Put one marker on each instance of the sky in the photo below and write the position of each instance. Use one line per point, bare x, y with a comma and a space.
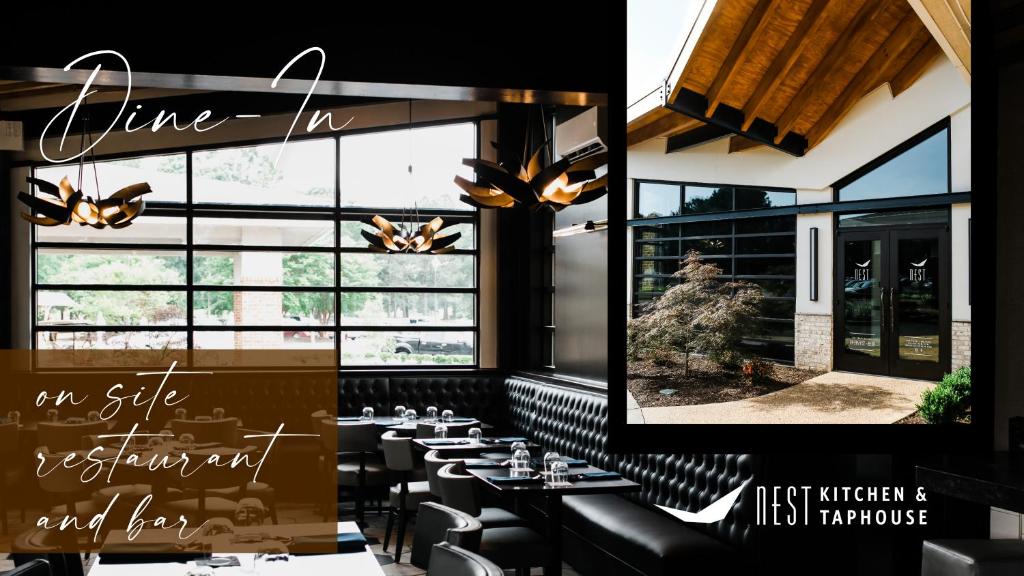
654, 29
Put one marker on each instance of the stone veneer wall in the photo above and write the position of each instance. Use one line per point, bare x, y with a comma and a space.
813, 341
961, 348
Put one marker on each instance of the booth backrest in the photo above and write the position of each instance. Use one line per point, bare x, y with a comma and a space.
574, 422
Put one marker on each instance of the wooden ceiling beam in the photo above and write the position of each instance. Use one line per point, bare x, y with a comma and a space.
666, 123
914, 68
24, 87
785, 59
751, 34
832, 61
908, 33
739, 144
949, 22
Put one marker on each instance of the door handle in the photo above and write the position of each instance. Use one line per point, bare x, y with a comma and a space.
892, 309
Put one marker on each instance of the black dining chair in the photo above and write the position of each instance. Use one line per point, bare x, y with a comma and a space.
462, 494
405, 496
436, 523
52, 545
12, 469
37, 567
359, 466
448, 560
511, 547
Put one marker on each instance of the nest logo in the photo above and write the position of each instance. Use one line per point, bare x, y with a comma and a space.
714, 512
917, 271
861, 271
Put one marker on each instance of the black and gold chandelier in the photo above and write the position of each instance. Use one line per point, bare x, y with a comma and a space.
536, 182
409, 237
63, 204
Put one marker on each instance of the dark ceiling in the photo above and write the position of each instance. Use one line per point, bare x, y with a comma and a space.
542, 46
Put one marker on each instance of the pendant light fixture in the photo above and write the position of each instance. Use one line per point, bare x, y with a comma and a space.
409, 236
535, 182
64, 204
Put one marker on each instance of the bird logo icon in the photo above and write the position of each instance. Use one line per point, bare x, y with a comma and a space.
919, 264
864, 265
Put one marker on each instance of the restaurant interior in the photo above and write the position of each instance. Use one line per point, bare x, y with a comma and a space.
440, 348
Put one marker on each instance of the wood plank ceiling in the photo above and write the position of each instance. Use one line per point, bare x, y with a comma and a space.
783, 73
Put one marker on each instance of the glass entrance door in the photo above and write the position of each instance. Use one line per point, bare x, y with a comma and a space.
892, 303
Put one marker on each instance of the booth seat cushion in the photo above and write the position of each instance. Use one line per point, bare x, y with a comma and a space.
647, 540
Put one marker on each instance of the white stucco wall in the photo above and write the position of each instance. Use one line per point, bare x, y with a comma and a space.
961, 261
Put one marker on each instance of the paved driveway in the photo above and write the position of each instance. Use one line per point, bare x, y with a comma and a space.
832, 398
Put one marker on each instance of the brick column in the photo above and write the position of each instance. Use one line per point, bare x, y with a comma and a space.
812, 341
961, 344
256, 308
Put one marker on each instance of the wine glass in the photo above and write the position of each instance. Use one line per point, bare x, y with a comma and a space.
448, 416
474, 435
520, 460
399, 412
266, 551
218, 413
52, 415
410, 415
559, 473
518, 446
250, 512
440, 431
549, 460
367, 413
431, 412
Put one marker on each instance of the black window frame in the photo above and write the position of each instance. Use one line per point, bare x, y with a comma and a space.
336, 214
943, 124
731, 218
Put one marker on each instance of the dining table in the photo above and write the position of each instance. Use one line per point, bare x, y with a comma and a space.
449, 446
583, 479
355, 563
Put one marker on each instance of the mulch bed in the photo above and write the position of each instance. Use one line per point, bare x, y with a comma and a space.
707, 383
916, 419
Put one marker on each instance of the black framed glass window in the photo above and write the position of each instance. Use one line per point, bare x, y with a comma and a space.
919, 166
756, 249
237, 253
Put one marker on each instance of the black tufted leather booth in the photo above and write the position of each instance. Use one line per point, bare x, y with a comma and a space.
478, 396
610, 534
358, 392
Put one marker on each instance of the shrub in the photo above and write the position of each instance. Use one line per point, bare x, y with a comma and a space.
758, 370
950, 400
700, 314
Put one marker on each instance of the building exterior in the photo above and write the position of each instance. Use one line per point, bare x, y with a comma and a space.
858, 231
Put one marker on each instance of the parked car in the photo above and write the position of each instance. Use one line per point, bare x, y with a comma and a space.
428, 343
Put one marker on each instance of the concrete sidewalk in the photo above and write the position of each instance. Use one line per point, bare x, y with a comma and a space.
832, 398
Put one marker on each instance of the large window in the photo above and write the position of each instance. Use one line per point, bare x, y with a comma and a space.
756, 249
235, 252
917, 167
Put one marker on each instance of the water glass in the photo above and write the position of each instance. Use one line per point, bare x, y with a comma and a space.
14, 416
520, 460
410, 415
431, 412
218, 413
474, 435
447, 416
518, 446
249, 512
440, 431
187, 440
93, 416
399, 412
180, 413
549, 459
52, 415
559, 473
367, 413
